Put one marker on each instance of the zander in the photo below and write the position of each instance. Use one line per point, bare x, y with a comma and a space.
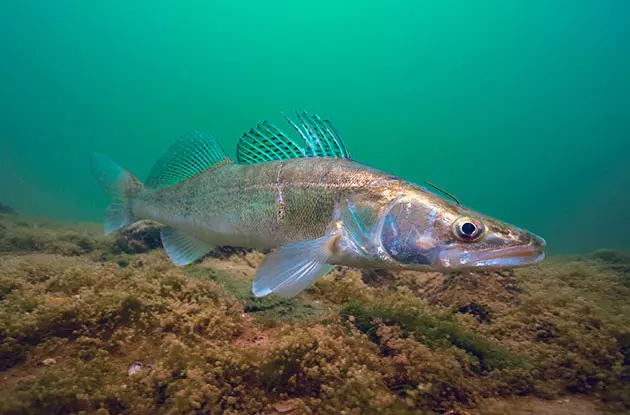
312, 202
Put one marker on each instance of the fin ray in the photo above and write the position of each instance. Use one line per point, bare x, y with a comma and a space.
120, 186
266, 142
293, 268
182, 248
192, 154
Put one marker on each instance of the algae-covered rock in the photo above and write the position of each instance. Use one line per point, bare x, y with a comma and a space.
612, 256
268, 308
140, 237
51, 297
144, 236
20, 235
87, 328
433, 330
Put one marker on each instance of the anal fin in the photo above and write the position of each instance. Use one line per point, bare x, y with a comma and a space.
294, 267
183, 248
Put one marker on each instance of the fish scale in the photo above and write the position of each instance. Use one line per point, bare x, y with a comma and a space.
312, 202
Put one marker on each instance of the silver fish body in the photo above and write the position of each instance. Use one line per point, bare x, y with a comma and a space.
313, 203
264, 205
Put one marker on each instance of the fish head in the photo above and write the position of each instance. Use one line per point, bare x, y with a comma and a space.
423, 231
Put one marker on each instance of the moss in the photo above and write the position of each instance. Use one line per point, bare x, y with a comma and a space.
72, 321
432, 330
140, 237
570, 322
612, 256
69, 298
21, 234
267, 309
481, 312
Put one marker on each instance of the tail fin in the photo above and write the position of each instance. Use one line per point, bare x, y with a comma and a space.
118, 184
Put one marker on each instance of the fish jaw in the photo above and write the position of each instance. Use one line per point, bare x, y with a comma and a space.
512, 257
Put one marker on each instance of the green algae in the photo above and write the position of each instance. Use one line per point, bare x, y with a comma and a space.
432, 330
266, 309
72, 323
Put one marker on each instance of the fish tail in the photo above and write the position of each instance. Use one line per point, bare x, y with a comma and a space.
121, 186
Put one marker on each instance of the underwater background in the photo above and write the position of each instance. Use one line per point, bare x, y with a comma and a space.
519, 108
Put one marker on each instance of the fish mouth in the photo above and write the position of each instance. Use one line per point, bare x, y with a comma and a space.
509, 257
516, 256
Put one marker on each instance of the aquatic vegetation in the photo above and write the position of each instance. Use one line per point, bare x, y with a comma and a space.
73, 324
141, 237
21, 234
430, 329
269, 309
48, 297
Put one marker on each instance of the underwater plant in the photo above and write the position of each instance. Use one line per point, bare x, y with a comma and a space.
82, 331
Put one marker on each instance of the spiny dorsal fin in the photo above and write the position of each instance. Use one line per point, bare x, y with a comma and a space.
267, 143
320, 136
193, 153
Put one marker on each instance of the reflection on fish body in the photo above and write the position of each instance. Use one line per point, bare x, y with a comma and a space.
312, 202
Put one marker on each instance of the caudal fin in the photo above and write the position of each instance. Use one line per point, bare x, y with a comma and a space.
120, 186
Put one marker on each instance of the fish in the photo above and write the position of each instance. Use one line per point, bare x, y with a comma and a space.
310, 203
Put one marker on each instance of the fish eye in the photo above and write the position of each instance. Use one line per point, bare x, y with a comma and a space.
468, 229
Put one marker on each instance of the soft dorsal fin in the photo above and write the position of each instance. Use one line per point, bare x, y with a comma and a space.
267, 143
193, 153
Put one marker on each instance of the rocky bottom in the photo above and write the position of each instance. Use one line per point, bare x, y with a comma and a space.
106, 325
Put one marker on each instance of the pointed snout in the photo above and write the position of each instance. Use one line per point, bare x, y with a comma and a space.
538, 242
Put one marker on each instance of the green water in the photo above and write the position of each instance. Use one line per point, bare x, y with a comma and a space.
520, 108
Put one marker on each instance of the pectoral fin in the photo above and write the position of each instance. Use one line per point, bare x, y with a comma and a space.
295, 267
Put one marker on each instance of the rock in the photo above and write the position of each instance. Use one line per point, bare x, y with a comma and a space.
140, 237
135, 368
378, 278
226, 252
285, 406
480, 312
612, 256
49, 361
